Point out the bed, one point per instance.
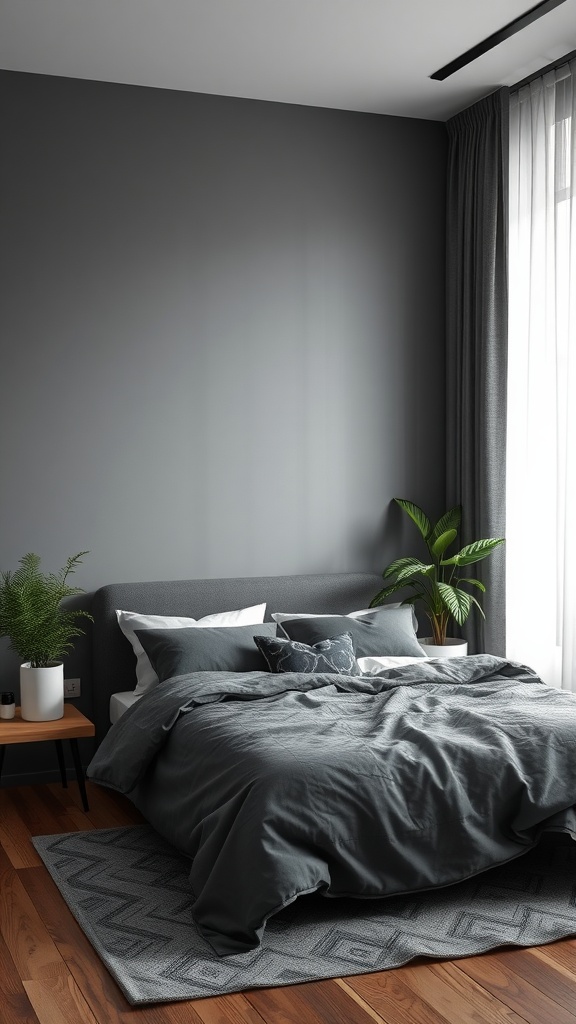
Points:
(113, 658)
(414, 775)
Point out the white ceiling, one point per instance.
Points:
(371, 55)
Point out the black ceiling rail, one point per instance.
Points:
(497, 37)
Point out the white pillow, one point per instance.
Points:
(130, 621)
(279, 617)
(370, 666)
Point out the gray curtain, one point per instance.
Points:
(477, 314)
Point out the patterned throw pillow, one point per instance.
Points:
(335, 654)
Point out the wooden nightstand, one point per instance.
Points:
(71, 727)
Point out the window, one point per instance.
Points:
(541, 429)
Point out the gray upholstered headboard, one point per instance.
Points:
(113, 661)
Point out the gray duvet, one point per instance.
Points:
(278, 785)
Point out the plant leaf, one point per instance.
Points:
(403, 564)
(444, 540)
(478, 605)
(408, 572)
(386, 591)
(451, 520)
(40, 630)
(458, 602)
(416, 515)
(474, 552)
(475, 583)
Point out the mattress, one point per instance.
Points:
(120, 702)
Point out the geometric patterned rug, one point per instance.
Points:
(129, 891)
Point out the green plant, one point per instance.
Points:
(435, 582)
(39, 629)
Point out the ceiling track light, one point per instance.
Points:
(497, 37)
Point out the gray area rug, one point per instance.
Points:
(129, 891)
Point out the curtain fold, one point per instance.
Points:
(541, 548)
(476, 348)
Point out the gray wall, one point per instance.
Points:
(222, 331)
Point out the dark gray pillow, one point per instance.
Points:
(333, 655)
(174, 652)
(389, 634)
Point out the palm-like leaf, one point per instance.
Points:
(474, 552)
(451, 520)
(406, 567)
(442, 542)
(416, 515)
(478, 605)
(418, 570)
(387, 591)
(457, 602)
(475, 583)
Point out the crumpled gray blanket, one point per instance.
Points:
(278, 785)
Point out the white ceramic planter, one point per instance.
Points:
(453, 648)
(42, 692)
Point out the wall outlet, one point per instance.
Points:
(71, 687)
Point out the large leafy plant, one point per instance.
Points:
(438, 581)
(31, 614)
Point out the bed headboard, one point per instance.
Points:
(113, 660)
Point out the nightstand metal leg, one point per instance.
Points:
(2, 752)
(79, 773)
(61, 765)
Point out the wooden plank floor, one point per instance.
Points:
(49, 973)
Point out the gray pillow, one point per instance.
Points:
(334, 655)
(175, 652)
(389, 634)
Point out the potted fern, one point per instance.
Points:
(437, 582)
(41, 632)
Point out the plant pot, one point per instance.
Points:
(42, 692)
(453, 647)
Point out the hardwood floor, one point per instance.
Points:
(49, 973)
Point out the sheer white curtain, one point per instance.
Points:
(541, 430)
